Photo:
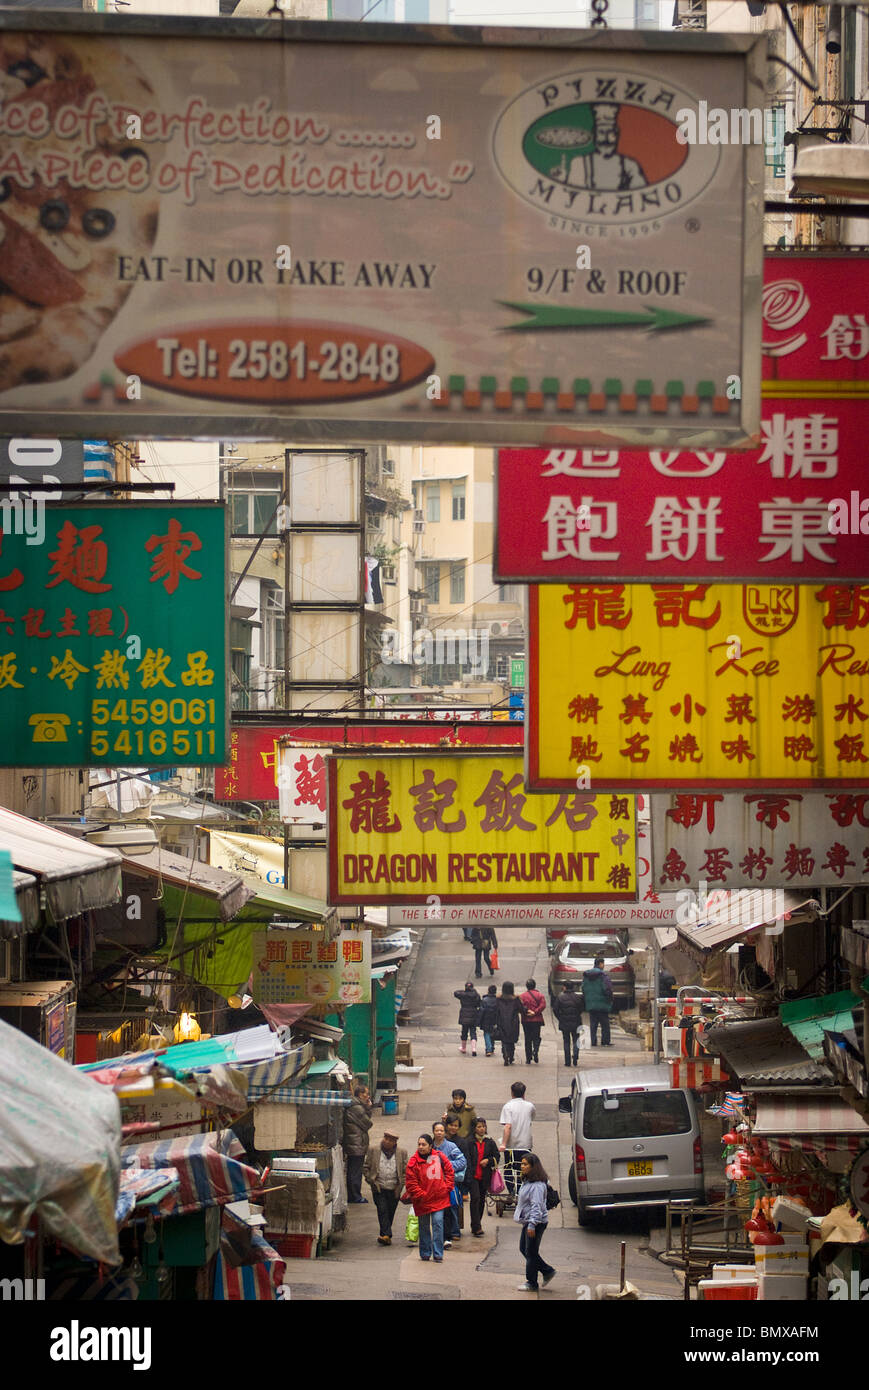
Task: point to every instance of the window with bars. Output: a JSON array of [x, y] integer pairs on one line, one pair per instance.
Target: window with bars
[[458, 501]]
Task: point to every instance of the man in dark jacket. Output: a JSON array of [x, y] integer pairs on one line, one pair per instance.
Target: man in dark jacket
[[509, 1013], [533, 1005], [484, 941], [567, 1008], [357, 1122], [469, 1013], [598, 994]]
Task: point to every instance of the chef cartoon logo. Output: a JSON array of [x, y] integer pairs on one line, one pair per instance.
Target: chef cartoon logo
[[602, 147]]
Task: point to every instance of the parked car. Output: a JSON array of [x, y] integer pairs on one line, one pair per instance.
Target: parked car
[[636, 1140], [555, 935], [576, 954]]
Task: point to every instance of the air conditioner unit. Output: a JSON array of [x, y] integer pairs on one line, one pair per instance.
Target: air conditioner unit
[[418, 607], [499, 629], [388, 468], [671, 1039]]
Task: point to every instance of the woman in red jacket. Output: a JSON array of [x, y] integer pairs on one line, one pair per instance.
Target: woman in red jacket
[[428, 1181]]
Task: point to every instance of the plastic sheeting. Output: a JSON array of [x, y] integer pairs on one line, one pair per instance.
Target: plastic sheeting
[[60, 1150]]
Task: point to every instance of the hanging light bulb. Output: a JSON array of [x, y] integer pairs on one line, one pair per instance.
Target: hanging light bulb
[[134, 1269], [150, 1235]]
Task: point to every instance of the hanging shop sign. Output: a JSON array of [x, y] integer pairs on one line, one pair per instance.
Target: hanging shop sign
[[462, 829], [302, 785], [291, 967], [777, 839], [677, 686], [255, 856], [651, 909], [245, 227], [254, 749], [40, 464], [113, 636], [797, 508]]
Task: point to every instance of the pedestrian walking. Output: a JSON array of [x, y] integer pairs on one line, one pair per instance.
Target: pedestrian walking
[[484, 1159], [465, 1112], [488, 1021], [384, 1169], [469, 1013], [458, 1163], [428, 1182], [567, 1007], [517, 1139], [598, 993], [533, 1006], [532, 1214], [509, 1013], [484, 942], [357, 1122], [466, 1144]]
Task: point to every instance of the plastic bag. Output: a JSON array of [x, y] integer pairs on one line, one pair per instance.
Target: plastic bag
[[497, 1186], [411, 1230], [493, 958]]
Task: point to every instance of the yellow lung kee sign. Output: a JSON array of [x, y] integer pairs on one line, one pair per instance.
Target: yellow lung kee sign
[[463, 829], [666, 686]]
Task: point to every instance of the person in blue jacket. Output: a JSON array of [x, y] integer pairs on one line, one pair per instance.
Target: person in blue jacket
[[459, 1163], [532, 1214]]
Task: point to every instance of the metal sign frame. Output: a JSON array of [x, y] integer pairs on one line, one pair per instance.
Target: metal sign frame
[[695, 413]]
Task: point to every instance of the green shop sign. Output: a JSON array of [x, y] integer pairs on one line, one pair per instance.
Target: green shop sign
[[113, 635]]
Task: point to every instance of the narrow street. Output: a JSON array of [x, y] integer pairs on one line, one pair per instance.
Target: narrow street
[[489, 1268]]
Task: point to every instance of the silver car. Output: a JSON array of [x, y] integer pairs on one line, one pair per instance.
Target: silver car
[[636, 1140], [577, 953]]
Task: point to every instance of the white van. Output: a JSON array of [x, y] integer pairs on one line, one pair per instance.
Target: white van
[[636, 1140]]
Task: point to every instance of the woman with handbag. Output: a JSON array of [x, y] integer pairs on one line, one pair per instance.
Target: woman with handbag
[[428, 1182], [484, 1159]]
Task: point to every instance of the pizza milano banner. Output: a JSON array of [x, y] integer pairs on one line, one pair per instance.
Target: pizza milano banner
[[462, 829], [669, 686], [239, 225]]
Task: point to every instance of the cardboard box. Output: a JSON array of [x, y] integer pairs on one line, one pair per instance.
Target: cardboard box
[[734, 1271], [780, 1288], [780, 1260]]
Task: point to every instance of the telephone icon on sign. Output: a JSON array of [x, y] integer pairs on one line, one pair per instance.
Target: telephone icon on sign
[[49, 728]]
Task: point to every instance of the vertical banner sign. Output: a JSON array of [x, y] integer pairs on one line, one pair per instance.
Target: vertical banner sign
[[291, 967], [678, 686], [302, 785], [113, 637], [462, 829], [799, 840], [797, 508], [303, 230]]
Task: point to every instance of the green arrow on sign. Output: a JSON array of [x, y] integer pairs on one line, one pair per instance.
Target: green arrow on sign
[[556, 316]]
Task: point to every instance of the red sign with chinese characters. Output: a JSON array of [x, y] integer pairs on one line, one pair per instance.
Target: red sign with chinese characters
[[252, 772], [769, 839], [796, 509]]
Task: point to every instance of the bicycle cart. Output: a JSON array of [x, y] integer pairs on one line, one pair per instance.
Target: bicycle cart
[[506, 1201]]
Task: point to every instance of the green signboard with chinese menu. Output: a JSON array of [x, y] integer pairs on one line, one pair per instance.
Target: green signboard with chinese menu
[[113, 635]]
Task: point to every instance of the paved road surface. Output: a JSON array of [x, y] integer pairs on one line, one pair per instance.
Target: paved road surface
[[491, 1267]]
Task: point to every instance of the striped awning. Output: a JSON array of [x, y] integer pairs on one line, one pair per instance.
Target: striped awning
[[814, 1124], [697, 1071], [299, 1095]]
